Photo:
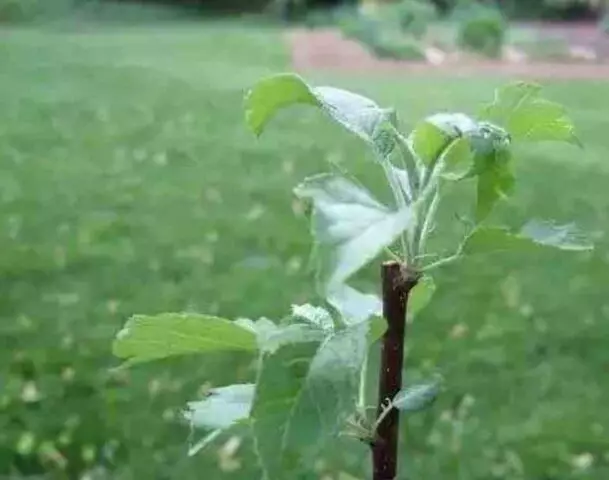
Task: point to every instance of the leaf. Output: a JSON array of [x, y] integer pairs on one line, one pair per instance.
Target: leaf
[[534, 234], [454, 138], [421, 295], [356, 308], [458, 159], [376, 329], [487, 139], [305, 392], [383, 139], [353, 305], [282, 377], [270, 336], [416, 397], [453, 125], [354, 112], [223, 408], [485, 240], [489, 147], [433, 136], [496, 182], [272, 94], [150, 337], [429, 141], [527, 116], [350, 225], [564, 237], [316, 316]]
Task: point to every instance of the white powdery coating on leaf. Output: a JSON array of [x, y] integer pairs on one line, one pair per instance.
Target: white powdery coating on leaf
[[318, 316]]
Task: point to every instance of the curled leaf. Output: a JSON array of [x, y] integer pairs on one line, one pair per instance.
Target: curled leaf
[[271, 95], [354, 112], [432, 137], [349, 225], [453, 125]]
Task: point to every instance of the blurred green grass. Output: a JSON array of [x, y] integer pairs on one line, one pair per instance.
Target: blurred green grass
[[130, 184]]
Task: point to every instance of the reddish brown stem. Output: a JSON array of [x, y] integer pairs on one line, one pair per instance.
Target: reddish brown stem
[[397, 283]]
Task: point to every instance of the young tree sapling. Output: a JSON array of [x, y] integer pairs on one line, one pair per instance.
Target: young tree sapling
[[312, 365]]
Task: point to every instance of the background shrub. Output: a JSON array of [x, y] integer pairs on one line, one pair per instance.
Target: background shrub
[[483, 30], [23, 10], [380, 38], [415, 16]]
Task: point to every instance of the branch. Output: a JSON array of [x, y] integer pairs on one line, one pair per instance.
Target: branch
[[397, 282]]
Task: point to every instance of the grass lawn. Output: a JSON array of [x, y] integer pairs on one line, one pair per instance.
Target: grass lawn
[[130, 184]]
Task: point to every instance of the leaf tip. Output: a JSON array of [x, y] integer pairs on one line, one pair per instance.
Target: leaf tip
[[575, 140]]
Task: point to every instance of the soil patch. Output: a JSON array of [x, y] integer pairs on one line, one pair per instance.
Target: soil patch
[[327, 49]]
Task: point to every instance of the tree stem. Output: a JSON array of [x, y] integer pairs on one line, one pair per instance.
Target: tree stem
[[397, 282]]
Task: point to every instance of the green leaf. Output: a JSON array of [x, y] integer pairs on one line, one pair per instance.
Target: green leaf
[[376, 329], [458, 159], [356, 307], [270, 336], [150, 337], [272, 94], [489, 147], [223, 408], [353, 305], [452, 138], [564, 237], [527, 116], [429, 141], [485, 240], [354, 112], [433, 136], [421, 295], [383, 139], [486, 140], [305, 392], [496, 182], [534, 234], [416, 397], [317, 316], [349, 225], [453, 125], [404, 181]]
